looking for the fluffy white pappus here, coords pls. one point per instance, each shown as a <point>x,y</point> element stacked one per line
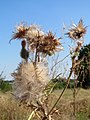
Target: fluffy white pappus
<point>42,73</point>
<point>30,81</point>
<point>34,31</point>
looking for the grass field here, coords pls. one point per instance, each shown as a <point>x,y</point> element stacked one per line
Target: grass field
<point>10,109</point>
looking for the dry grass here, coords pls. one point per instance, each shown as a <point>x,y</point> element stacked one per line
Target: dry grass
<point>65,107</point>
<point>83,93</point>
<point>10,109</point>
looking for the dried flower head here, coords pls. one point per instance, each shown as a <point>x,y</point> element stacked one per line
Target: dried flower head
<point>34,36</point>
<point>20,32</point>
<point>37,40</point>
<point>77,31</point>
<point>50,44</point>
<point>46,44</point>
<point>34,31</point>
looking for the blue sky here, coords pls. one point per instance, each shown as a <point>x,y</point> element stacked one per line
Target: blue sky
<point>49,14</point>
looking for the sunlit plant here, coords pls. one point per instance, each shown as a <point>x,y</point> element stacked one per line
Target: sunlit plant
<point>32,76</point>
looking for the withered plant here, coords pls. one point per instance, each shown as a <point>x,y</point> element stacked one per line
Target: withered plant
<point>31,79</point>
<point>76,33</point>
<point>38,41</point>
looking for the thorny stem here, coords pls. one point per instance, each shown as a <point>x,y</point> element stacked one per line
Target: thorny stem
<point>68,80</point>
<point>54,78</point>
<point>53,85</point>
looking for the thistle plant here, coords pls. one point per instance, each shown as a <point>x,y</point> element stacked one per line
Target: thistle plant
<point>76,33</point>
<point>38,41</point>
<point>32,77</point>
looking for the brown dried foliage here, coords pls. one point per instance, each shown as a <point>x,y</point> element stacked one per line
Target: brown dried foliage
<point>37,40</point>
<point>77,31</point>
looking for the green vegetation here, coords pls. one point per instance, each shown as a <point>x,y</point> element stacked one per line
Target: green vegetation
<point>83,69</point>
<point>4,85</point>
<point>60,83</point>
<point>82,116</point>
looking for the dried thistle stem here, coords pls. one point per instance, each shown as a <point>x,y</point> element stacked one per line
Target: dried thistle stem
<point>68,80</point>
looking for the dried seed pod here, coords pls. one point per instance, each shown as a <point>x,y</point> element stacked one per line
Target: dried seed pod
<point>77,31</point>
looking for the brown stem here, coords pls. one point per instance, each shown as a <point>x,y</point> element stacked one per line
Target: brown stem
<point>68,80</point>
<point>74,100</point>
<point>35,57</point>
<point>38,57</point>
